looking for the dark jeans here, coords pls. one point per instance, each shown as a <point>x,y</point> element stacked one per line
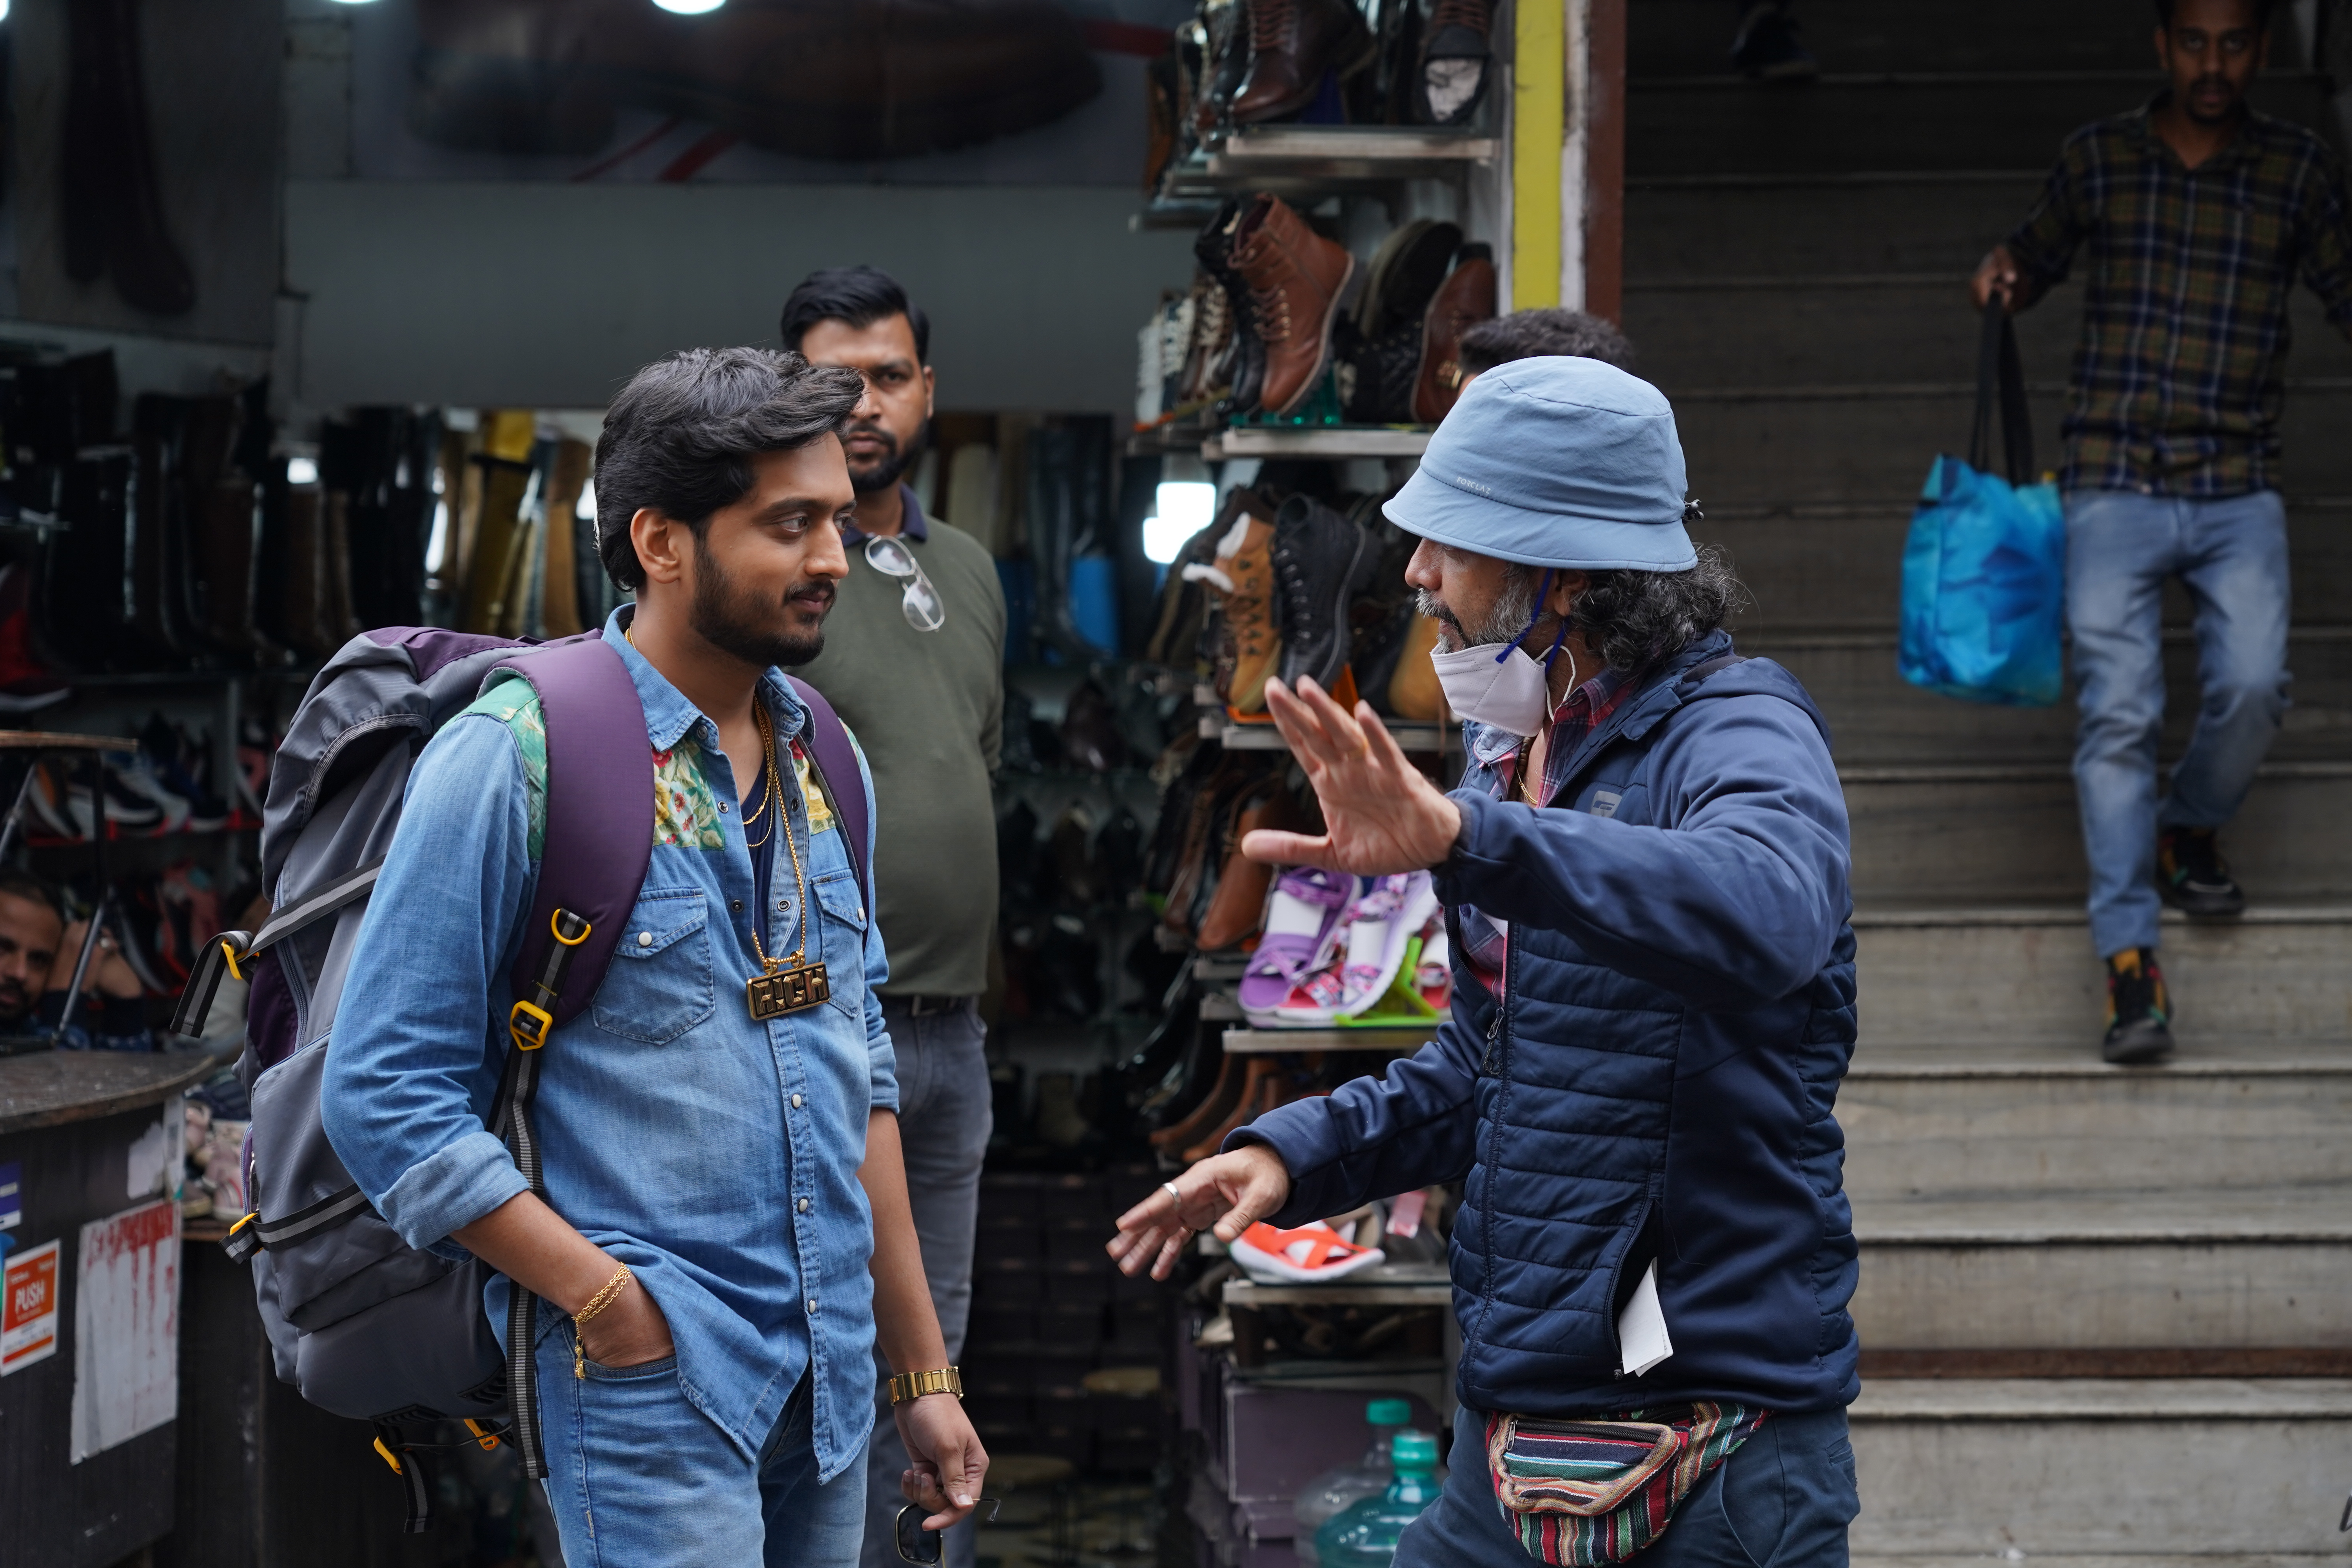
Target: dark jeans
<point>1783,1501</point>
<point>943,1126</point>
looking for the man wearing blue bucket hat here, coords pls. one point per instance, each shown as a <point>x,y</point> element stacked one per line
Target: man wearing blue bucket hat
<point>1646,875</point>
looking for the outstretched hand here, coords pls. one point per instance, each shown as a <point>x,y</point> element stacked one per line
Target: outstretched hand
<point>1381,815</point>
<point>1224,1194</point>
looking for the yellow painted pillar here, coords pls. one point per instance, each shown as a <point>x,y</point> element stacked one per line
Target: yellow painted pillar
<point>1539,123</point>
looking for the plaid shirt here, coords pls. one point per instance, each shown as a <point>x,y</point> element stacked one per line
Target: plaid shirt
<point>1484,940</point>
<point>2177,387</point>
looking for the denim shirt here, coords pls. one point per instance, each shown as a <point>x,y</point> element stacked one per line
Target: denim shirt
<point>715,1156</point>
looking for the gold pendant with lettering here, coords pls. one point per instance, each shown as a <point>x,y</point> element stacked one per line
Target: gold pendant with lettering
<point>802,986</point>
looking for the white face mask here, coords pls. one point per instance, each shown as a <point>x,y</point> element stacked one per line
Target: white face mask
<point>1498,683</point>
<point>1509,694</point>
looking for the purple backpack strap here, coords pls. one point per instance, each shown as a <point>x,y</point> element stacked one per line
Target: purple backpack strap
<point>600,807</point>
<point>836,763</point>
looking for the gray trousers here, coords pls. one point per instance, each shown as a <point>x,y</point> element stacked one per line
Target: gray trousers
<point>943,1125</point>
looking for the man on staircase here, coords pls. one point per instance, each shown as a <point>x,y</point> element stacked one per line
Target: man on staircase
<point>2198,214</point>
<point>1645,874</point>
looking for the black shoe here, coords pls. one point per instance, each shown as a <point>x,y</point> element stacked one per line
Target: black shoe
<point>1321,560</point>
<point>2139,1029</point>
<point>2193,875</point>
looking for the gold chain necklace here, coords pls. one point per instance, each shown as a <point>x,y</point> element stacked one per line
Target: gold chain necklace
<point>782,985</point>
<point>790,985</point>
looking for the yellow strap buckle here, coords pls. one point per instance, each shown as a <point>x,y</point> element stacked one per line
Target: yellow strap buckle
<point>482,1435</point>
<point>528,1023</point>
<point>389,1458</point>
<point>228,951</point>
<point>247,1220</point>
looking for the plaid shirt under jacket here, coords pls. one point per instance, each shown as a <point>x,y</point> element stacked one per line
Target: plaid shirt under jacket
<point>2176,383</point>
<point>1486,940</point>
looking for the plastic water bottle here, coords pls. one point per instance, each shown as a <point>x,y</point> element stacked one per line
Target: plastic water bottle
<point>1364,1534</point>
<point>1369,1476</point>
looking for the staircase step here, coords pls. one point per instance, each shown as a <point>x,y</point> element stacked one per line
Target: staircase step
<point>2140,1470</point>
<point>1879,720</point>
<point>1797,444</point>
<point>2027,976</point>
<point>1900,119</point>
<point>1687,36</point>
<point>1691,227</point>
<point>2106,1269</point>
<point>1978,834</point>
<point>1837,566</point>
<point>1839,326</point>
<point>1953,1123</point>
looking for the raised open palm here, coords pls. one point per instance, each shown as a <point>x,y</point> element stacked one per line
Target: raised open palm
<point>1381,815</point>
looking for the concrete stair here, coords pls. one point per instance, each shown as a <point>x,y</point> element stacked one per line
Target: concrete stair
<point>2105,1313</point>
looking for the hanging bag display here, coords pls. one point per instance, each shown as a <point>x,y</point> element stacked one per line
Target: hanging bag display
<point>1985,569</point>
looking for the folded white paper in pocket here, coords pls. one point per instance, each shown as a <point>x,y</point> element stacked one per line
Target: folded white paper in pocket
<point>1642,1328</point>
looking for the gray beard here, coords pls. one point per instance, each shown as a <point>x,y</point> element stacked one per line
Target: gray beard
<point>1505,620</point>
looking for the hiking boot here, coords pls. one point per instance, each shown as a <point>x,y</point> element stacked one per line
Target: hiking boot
<point>1241,369</point>
<point>2140,1029</point>
<point>1298,281</point>
<point>2194,877</point>
<point>1249,608</point>
<point>1321,562</point>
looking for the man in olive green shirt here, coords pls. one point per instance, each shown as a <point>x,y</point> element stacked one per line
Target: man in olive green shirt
<point>913,660</point>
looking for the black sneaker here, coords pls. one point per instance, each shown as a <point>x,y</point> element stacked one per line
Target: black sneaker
<point>2140,1029</point>
<point>2193,875</point>
<point>1321,562</point>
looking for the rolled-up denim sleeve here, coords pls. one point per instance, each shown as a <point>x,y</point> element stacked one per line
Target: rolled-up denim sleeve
<point>412,1073</point>
<point>882,1057</point>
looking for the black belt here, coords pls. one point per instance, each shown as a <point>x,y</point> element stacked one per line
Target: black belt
<point>929,1007</point>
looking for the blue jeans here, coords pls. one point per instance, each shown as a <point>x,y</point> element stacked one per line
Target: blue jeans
<point>1784,1499</point>
<point>638,1478</point>
<point>943,1125</point>
<point>2231,554</point>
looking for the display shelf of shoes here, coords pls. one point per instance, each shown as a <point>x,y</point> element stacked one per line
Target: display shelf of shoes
<point>1395,1039</point>
<point>1312,159</point>
<point>1382,1285</point>
<point>1410,736</point>
<point>1342,441</point>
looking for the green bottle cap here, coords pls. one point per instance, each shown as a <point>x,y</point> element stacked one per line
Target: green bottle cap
<point>1388,1413</point>
<point>1412,1450</point>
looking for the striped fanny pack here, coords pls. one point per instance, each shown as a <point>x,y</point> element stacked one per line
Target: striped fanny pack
<point>1583,1493</point>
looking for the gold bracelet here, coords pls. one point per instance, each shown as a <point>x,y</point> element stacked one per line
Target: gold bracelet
<point>596,1303</point>
<point>908,1385</point>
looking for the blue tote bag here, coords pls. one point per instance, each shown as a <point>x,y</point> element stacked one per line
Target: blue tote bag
<point>1984,572</point>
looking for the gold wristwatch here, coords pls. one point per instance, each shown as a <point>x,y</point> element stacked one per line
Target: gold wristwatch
<point>908,1385</point>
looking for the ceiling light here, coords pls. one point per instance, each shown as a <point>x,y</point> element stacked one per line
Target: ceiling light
<point>690,8</point>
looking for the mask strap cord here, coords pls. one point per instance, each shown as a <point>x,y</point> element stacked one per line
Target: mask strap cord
<point>1543,592</point>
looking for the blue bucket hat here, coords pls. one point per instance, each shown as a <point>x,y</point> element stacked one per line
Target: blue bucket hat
<point>1558,461</point>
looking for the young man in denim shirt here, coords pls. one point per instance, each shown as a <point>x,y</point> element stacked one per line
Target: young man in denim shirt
<point>2198,214</point>
<point>726,1226</point>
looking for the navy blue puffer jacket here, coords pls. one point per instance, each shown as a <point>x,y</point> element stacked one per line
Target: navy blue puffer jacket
<point>1661,1079</point>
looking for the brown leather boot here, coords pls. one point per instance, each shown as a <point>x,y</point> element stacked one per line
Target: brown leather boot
<point>1292,43</point>
<point>1213,1109</point>
<point>1248,608</point>
<point>1299,283</point>
<point>1466,298</point>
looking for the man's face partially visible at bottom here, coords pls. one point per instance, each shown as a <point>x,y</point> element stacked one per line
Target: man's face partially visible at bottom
<point>29,933</point>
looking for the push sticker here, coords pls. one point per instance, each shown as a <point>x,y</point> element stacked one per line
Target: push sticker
<point>12,1195</point>
<point>28,1309</point>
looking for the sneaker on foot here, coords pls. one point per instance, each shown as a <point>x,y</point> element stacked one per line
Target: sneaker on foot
<point>2139,1027</point>
<point>2193,877</point>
